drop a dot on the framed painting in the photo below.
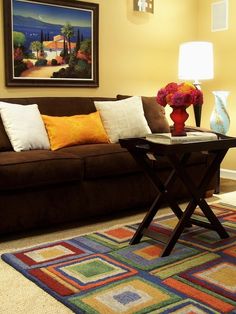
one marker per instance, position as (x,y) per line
(51,43)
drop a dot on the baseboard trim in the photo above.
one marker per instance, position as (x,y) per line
(228,174)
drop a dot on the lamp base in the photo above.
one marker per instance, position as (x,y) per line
(197,114)
(197,108)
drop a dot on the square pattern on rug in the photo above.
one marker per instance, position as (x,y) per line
(102,273)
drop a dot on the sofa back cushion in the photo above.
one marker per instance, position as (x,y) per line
(60,106)
(5,144)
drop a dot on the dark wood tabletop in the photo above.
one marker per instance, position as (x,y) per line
(223,142)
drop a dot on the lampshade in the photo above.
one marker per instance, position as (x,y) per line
(196,61)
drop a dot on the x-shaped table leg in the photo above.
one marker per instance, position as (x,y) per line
(163,194)
(196,192)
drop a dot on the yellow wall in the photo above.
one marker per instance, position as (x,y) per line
(225,68)
(138,52)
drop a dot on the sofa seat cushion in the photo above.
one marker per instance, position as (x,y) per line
(104,160)
(38,168)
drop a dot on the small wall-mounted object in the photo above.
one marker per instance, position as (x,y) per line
(219,16)
(144,5)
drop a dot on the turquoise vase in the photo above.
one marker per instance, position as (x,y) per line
(219,120)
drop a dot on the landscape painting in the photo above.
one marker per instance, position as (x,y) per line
(51,42)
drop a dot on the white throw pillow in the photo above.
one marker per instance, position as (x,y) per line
(24,126)
(123,118)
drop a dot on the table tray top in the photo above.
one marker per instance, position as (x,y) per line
(141,144)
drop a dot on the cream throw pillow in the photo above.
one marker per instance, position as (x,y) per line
(24,126)
(123,118)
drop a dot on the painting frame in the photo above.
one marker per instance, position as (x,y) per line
(72,64)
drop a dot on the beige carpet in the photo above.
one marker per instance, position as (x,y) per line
(18,295)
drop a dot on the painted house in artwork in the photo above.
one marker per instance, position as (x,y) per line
(53,48)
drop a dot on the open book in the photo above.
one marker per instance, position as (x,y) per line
(167,138)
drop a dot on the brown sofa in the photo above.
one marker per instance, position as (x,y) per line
(44,188)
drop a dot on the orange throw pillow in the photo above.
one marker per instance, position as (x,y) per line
(73,130)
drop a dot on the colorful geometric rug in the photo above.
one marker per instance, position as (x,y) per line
(101,273)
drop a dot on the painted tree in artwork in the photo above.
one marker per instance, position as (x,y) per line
(78,41)
(18,43)
(41,37)
(36,46)
(85,48)
(64,52)
(18,39)
(68,31)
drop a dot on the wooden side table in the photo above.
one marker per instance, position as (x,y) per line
(178,155)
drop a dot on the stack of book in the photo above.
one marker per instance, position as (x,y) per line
(167,138)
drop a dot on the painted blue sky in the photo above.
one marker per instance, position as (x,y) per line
(53,14)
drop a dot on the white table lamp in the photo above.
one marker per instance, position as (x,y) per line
(196,63)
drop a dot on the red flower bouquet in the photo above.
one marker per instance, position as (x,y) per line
(179,97)
(183,94)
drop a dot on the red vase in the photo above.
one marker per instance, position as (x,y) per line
(179,115)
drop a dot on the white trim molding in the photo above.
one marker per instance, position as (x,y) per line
(228,174)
